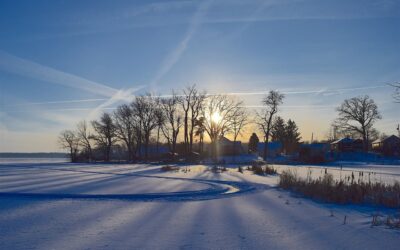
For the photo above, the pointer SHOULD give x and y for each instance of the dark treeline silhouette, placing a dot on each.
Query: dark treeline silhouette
(154, 127)
(143, 128)
(33, 155)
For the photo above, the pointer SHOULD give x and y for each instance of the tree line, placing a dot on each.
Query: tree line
(155, 120)
(182, 120)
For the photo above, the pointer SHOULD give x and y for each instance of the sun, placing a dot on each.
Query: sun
(216, 117)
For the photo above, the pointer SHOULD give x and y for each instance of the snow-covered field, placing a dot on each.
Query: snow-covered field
(111, 206)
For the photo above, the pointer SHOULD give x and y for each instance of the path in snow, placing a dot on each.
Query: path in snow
(215, 188)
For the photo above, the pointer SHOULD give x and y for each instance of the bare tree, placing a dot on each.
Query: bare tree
(173, 120)
(200, 130)
(185, 103)
(239, 121)
(264, 118)
(196, 105)
(125, 127)
(160, 122)
(84, 138)
(105, 134)
(69, 140)
(219, 113)
(145, 107)
(358, 115)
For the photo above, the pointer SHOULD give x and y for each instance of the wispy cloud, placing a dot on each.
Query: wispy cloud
(170, 60)
(158, 14)
(121, 95)
(56, 102)
(320, 91)
(176, 54)
(20, 66)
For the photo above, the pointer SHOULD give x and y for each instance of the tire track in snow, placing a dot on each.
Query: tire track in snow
(217, 189)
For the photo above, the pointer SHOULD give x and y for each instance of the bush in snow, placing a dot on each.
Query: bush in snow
(263, 170)
(269, 170)
(257, 170)
(169, 168)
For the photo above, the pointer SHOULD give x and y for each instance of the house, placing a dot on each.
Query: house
(274, 149)
(389, 146)
(224, 147)
(228, 147)
(153, 151)
(347, 145)
(314, 152)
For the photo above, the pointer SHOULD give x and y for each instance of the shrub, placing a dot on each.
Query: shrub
(258, 163)
(261, 168)
(257, 170)
(269, 170)
(218, 169)
(169, 168)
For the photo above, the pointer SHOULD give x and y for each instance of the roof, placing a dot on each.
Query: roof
(315, 145)
(274, 145)
(226, 141)
(392, 137)
(377, 141)
(343, 140)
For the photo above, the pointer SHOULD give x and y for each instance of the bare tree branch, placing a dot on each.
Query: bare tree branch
(264, 118)
(358, 115)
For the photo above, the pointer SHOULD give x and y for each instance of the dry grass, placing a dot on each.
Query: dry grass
(263, 170)
(342, 191)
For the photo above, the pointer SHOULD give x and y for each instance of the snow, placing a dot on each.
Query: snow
(121, 206)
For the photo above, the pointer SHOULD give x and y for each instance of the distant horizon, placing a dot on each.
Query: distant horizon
(2, 153)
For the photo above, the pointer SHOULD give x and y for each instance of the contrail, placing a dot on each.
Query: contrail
(166, 66)
(121, 95)
(34, 70)
(316, 91)
(176, 54)
(320, 91)
(57, 102)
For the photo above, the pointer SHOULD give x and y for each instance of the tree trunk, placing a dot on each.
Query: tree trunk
(158, 138)
(186, 133)
(191, 135)
(146, 149)
(71, 154)
(365, 142)
(265, 147)
(129, 146)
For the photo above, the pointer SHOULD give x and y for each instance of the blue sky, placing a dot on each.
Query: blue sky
(64, 61)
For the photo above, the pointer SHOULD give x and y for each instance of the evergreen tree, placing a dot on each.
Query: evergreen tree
(292, 137)
(253, 142)
(278, 131)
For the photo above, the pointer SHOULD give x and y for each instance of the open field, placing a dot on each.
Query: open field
(121, 206)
